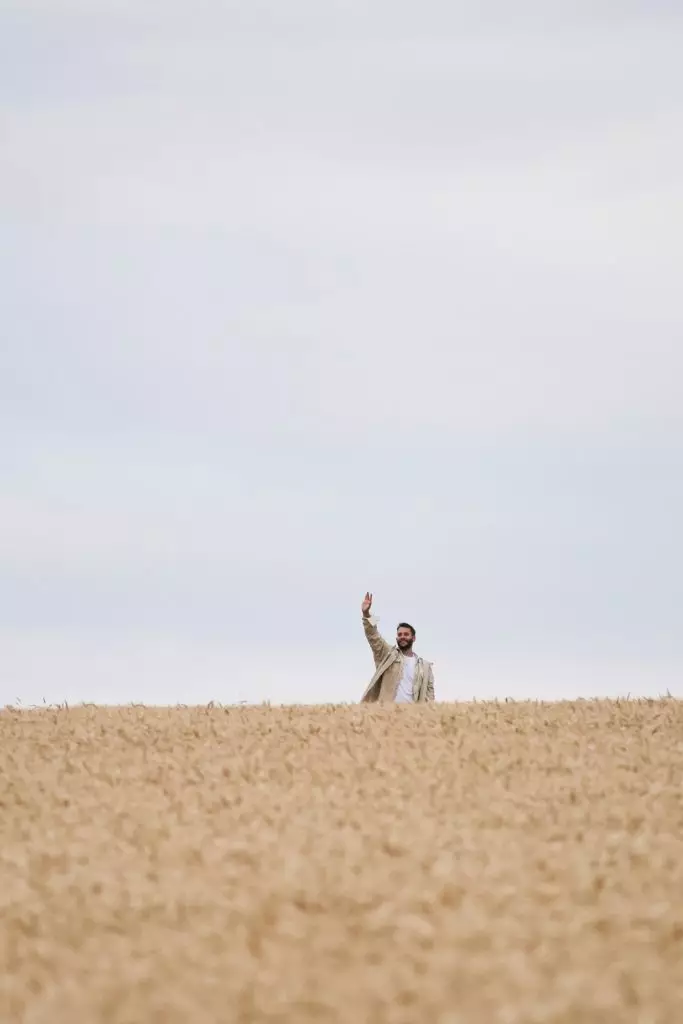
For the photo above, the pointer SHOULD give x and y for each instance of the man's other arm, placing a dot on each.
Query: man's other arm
(430, 684)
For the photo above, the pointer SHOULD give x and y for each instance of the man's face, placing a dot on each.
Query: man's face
(404, 639)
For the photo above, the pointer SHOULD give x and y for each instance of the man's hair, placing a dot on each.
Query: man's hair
(406, 625)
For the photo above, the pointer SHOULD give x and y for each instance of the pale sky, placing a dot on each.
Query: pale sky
(304, 298)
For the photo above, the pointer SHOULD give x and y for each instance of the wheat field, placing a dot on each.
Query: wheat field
(441, 864)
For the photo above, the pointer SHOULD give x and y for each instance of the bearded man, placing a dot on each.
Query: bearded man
(401, 676)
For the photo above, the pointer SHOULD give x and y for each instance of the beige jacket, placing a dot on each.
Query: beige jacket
(384, 683)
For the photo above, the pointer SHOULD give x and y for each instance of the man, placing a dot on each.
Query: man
(400, 674)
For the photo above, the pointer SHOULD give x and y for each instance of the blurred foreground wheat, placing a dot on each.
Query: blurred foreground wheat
(511, 864)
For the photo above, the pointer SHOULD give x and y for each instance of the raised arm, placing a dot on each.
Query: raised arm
(378, 645)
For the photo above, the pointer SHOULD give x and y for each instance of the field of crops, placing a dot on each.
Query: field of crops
(439, 864)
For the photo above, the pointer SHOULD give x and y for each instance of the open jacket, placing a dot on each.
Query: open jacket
(388, 669)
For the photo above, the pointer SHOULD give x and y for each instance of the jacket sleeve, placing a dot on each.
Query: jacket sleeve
(380, 648)
(430, 684)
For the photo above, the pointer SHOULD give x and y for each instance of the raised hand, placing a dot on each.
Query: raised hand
(366, 605)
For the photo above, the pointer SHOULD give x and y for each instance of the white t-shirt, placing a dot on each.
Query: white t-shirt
(404, 693)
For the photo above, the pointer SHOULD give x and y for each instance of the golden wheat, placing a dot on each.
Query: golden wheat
(440, 864)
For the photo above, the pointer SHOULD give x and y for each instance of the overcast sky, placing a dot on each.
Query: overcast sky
(306, 297)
